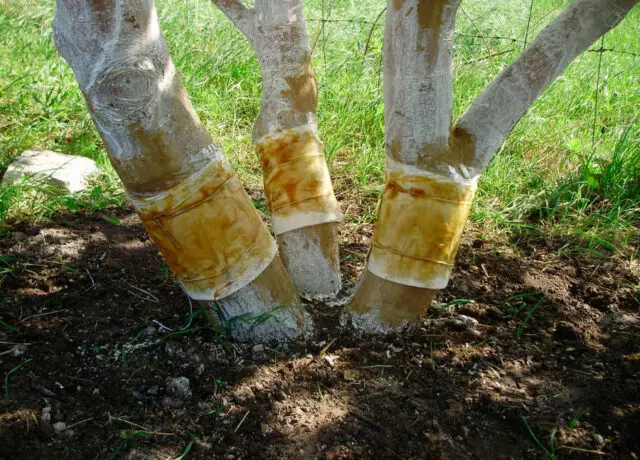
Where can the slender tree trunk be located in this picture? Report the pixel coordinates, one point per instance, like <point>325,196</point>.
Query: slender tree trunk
<point>424,204</point>
<point>181,185</point>
<point>297,185</point>
<point>432,166</point>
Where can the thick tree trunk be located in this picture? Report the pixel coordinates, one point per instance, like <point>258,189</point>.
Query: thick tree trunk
<point>303,207</point>
<point>432,168</point>
<point>181,185</point>
<point>424,204</point>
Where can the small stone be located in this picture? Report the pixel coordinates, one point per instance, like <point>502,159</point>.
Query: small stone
<point>244,394</point>
<point>172,403</point>
<point>258,348</point>
<point>178,387</point>
<point>46,415</point>
<point>331,359</point>
<point>350,374</point>
<point>598,439</point>
<point>66,173</point>
<point>17,350</point>
<point>464,321</point>
<point>59,426</point>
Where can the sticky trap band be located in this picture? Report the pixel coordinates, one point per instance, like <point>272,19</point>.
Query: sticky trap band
<point>419,225</point>
<point>209,232</point>
<point>296,180</point>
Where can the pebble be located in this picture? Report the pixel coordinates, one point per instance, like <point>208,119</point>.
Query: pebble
<point>178,387</point>
<point>465,321</point>
<point>46,415</point>
<point>17,350</point>
<point>599,440</point>
<point>59,426</point>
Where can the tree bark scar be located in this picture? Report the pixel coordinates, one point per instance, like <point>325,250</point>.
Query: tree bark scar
<point>303,89</point>
<point>536,70</point>
<point>154,137</point>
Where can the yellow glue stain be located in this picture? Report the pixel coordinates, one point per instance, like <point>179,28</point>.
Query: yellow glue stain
<point>208,231</point>
<point>296,177</point>
<point>418,230</point>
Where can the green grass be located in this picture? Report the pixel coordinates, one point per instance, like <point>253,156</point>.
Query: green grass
<point>6,377</point>
<point>555,176</point>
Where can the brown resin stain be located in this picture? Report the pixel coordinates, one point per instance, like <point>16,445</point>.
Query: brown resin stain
<point>430,14</point>
<point>398,4</point>
<point>209,233</point>
<point>102,5</point>
<point>296,177</point>
<point>303,89</point>
<point>393,303</point>
<point>458,151</point>
<point>154,167</point>
<point>419,225</point>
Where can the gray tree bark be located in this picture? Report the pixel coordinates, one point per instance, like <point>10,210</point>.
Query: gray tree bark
<point>433,165</point>
<point>181,185</point>
<point>297,183</point>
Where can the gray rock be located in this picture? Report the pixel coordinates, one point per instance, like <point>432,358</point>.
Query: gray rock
<point>67,173</point>
<point>464,321</point>
<point>178,387</point>
<point>46,415</point>
<point>59,426</point>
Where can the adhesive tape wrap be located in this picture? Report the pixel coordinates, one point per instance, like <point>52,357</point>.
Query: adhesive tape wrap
<point>418,230</point>
<point>296,180</point>
<point>209,232</point>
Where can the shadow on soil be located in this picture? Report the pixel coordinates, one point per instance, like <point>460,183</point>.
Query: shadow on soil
<point>542,337</point>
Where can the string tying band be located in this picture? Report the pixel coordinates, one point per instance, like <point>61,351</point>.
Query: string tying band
<point>419,225</point>
<point>296,180</point>
<point>209,232</point>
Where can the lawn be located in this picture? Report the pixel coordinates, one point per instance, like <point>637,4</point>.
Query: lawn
<point>569,168</point>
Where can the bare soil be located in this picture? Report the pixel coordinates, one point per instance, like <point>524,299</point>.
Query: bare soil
<point>99,379</point>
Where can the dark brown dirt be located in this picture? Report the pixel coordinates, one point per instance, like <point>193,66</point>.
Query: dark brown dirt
<point>81,293</point>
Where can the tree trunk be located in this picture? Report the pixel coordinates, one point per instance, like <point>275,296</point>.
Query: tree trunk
<point>432,166</point>
<point>183,188</point>
<point>424,204</point>
<point>297,184</point>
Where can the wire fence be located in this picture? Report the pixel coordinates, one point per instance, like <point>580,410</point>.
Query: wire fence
<point>519,44</point>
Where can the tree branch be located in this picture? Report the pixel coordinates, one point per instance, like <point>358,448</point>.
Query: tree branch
<point>500,106</point>
<point>239,15</point>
